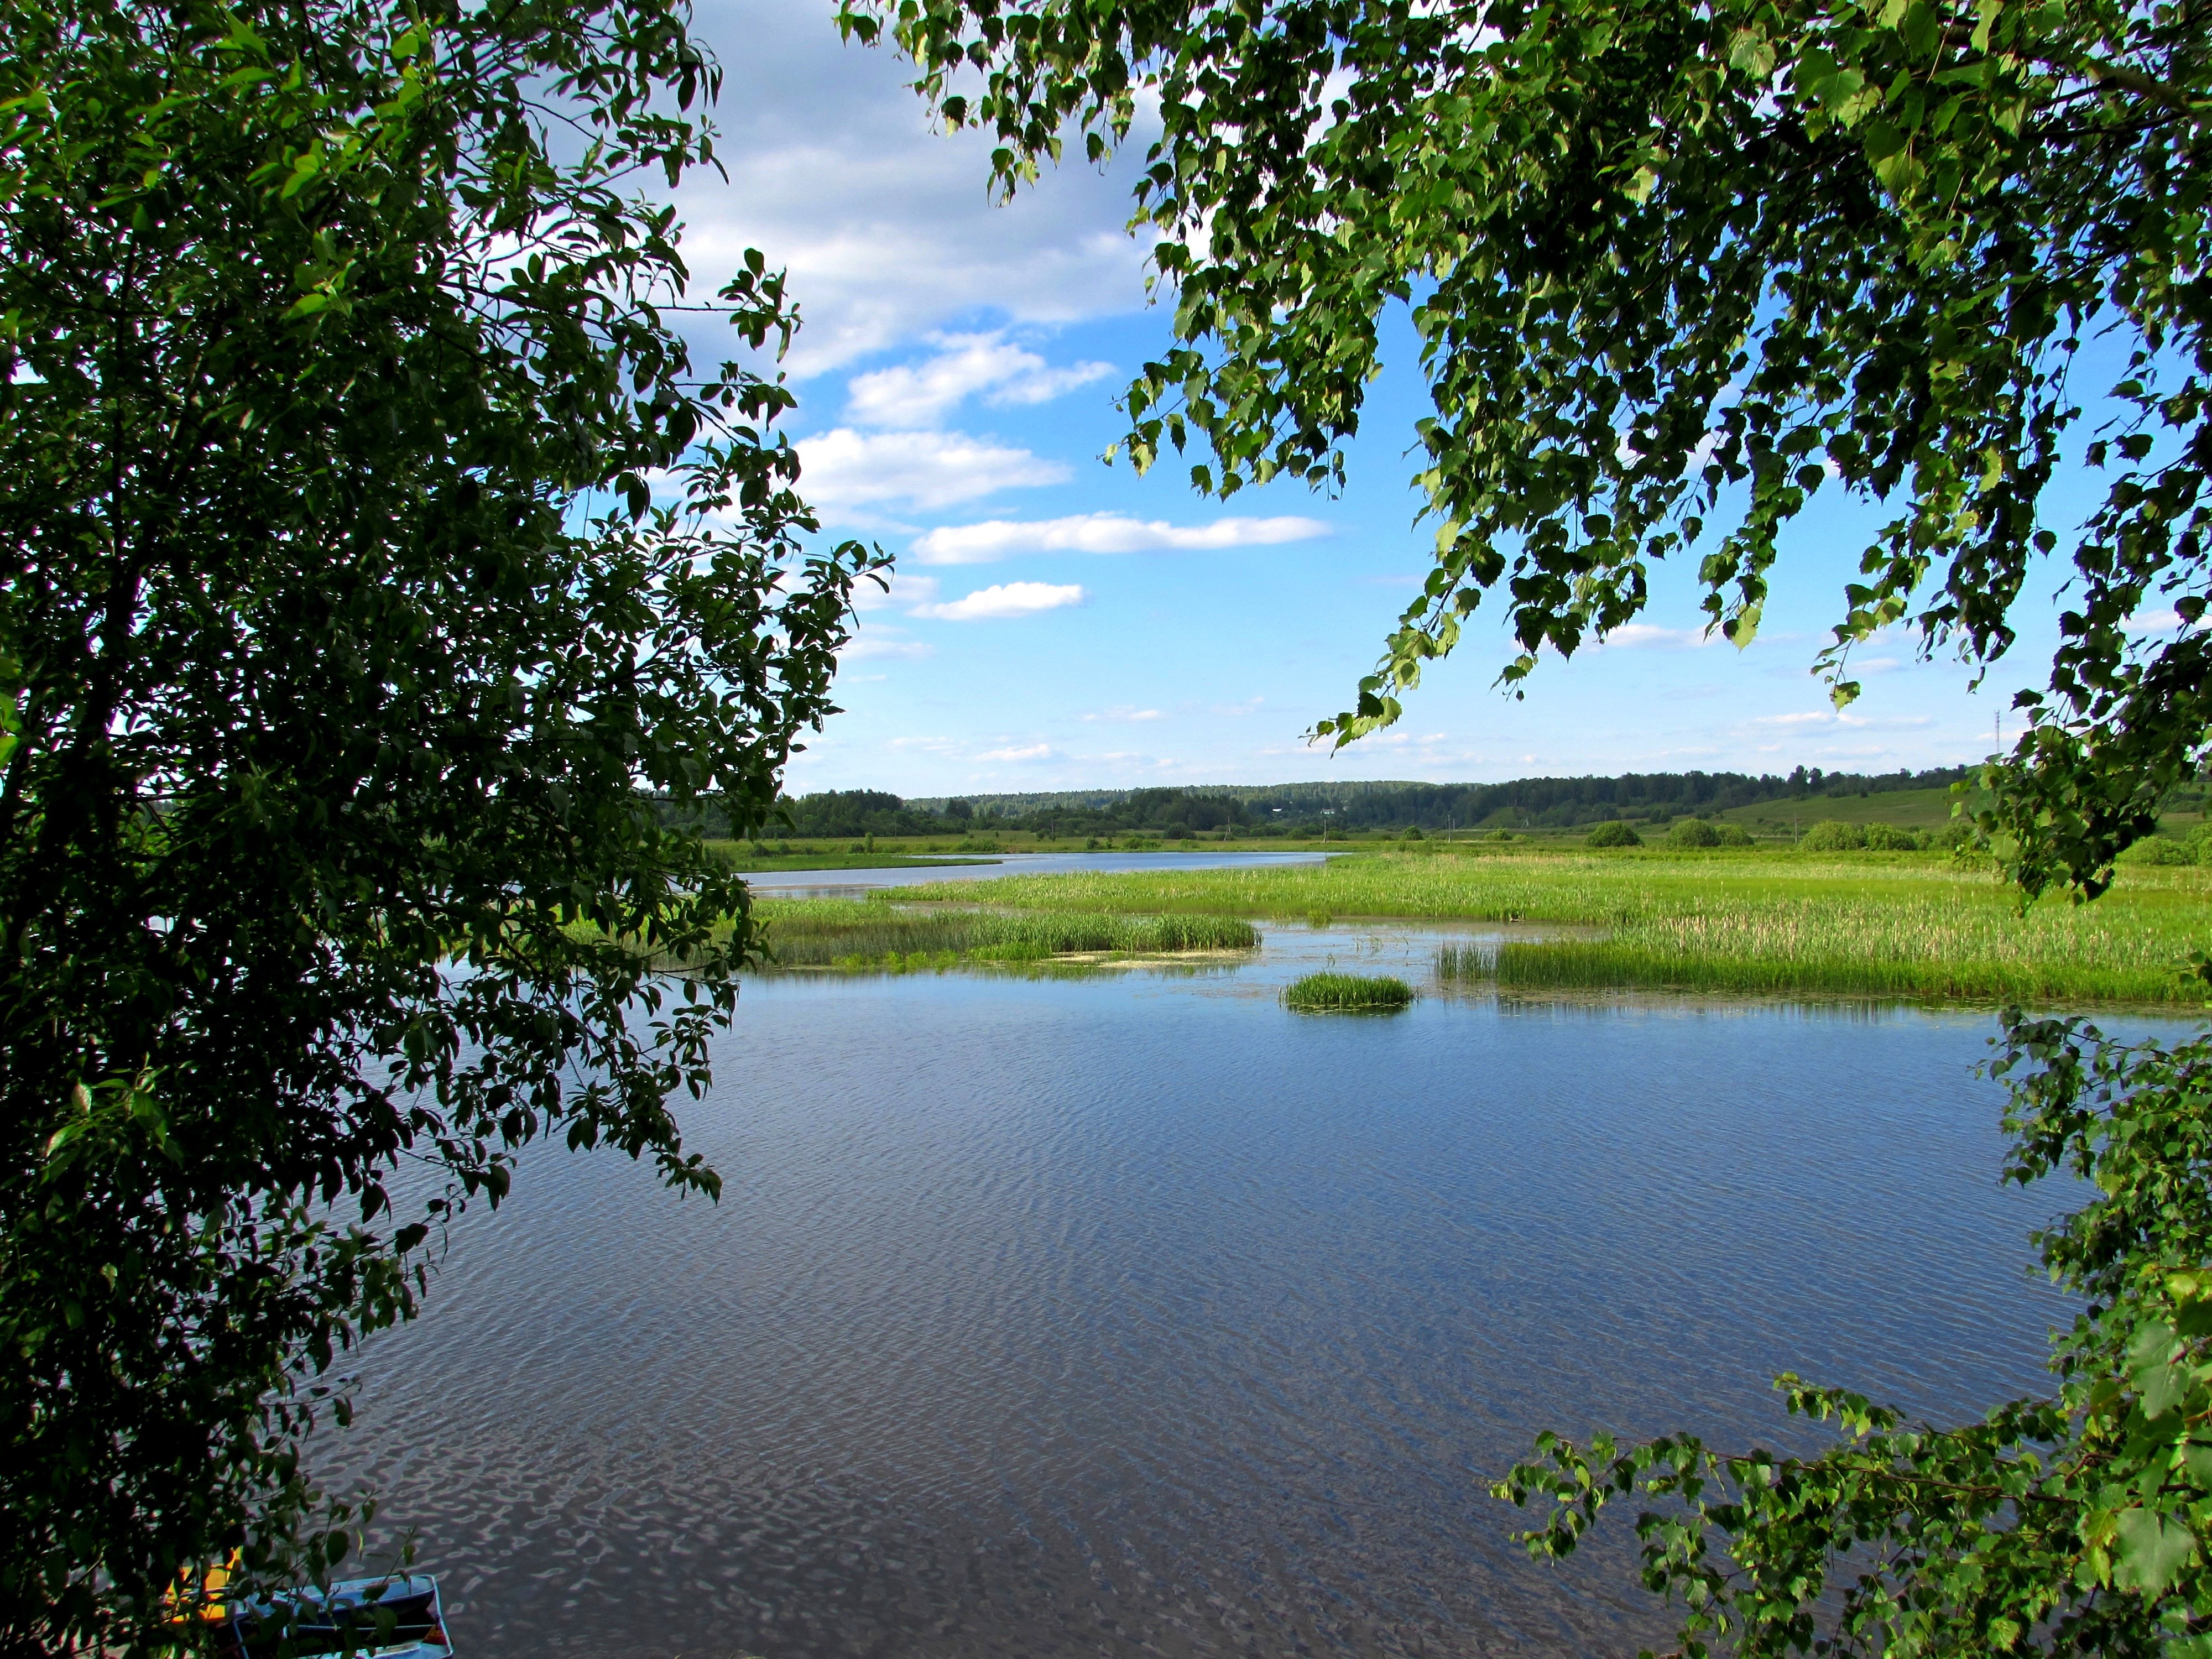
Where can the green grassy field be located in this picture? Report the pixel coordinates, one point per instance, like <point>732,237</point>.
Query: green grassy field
<point>738,856</point>
<point>1905,924</point>
<point>865,934</point>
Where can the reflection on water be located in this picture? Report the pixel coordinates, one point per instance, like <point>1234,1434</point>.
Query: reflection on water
<point>1134,1314</point>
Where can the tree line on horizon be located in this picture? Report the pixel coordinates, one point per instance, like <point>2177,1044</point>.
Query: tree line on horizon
<point>1311,808</point>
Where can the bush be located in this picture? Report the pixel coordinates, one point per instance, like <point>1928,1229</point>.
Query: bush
<point>1501,835</point>
<point>1693,832</point>
<point>1615,834</point>
<point>2199,842</point>
<point>2157,849</point>
<point>1734,835</point>
<point>1829,835</point>
<point>1885,838</point>
<point>1415,833</point>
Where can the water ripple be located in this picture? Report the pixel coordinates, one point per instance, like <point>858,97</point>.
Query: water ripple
<point>1139,1316</point>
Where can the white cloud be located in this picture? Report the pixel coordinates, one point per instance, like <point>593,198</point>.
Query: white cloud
<point>903,590</point>
<point>1126,712</point>
<point>1631,637</point>
<point>928,470</point>
<point>1831,717</point>
<point>886,229</point>
<point>922,394</point>
<point>875,645</point>
<point>1006,599</point>
<point>2153,621</point>
<point>1036,752</point>
<point>1103,532</point>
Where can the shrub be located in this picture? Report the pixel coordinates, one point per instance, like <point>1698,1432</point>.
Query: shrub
<point>2157,849</point>
<point>1413,833</point>
<point>1501,835</point>
<point>1615,834</point>
<point>2199,843</point>
<point>1886,838</point>
<point>1830,836</point>
<point>1347,993</point>
<point>1693,832</point>
<point>1734,835</point>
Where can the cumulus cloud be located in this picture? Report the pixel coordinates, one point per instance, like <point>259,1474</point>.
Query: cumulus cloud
<point>1004,599</point>
<point>842,469</point>
<point>886,229</point>
<point>922,394</point>
<point>903,590</point>
<point>1103,532</point>
<point>1036,752</point>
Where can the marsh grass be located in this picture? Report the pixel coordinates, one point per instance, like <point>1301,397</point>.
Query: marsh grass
<point>1909,925</point>
<point>853,934</point>
<point>1347,993</point>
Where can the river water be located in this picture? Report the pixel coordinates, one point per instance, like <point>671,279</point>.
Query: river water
<point>787,883</point>
<point>1134,1313</point>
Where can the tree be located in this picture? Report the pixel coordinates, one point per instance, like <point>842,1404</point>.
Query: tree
<point>2071,1525</point>
<point>1676,270</point>
<point>347,659</point>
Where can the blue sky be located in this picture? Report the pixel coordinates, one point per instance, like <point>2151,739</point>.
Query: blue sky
<point>1060,624</point>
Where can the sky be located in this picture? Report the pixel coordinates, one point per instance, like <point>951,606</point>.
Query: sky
<point>1057,623</point>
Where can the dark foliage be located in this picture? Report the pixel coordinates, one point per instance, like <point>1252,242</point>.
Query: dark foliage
<point>343,649</point>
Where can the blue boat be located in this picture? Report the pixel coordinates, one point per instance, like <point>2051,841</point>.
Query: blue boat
<point>395,1617</point>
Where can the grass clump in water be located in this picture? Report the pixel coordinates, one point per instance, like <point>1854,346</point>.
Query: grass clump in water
<point>872,935</point>
<point>1347,993</point>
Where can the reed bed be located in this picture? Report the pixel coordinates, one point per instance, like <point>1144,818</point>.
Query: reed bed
<point>872,934</point>
<point>1347,993</point>
<point>1886,925</point>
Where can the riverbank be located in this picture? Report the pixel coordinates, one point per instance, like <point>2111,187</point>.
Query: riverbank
<point>738,857</point>
<point>1895,925</point>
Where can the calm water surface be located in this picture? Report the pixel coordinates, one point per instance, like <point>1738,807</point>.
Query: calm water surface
<point>1134,1314</point>
<point>829,883</point>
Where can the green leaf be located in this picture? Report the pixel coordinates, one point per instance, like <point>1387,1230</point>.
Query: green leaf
<point>2153,1551</point>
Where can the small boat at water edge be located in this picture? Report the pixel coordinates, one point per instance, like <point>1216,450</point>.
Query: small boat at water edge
<point>398,1616</point>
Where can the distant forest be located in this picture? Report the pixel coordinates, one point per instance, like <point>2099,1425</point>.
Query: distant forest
<point>1311,808</point>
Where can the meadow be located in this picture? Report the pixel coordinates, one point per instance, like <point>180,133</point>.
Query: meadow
<point>870,934</point>
<point>1897,925</point>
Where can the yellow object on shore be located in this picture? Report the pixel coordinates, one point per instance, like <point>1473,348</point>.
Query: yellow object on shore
<point>203,1601</point>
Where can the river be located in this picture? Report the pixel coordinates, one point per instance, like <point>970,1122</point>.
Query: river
<point>1134,1313</point>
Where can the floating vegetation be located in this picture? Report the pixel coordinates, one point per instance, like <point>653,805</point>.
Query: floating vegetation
<point>856,934</point>
<point>1347,993</point>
